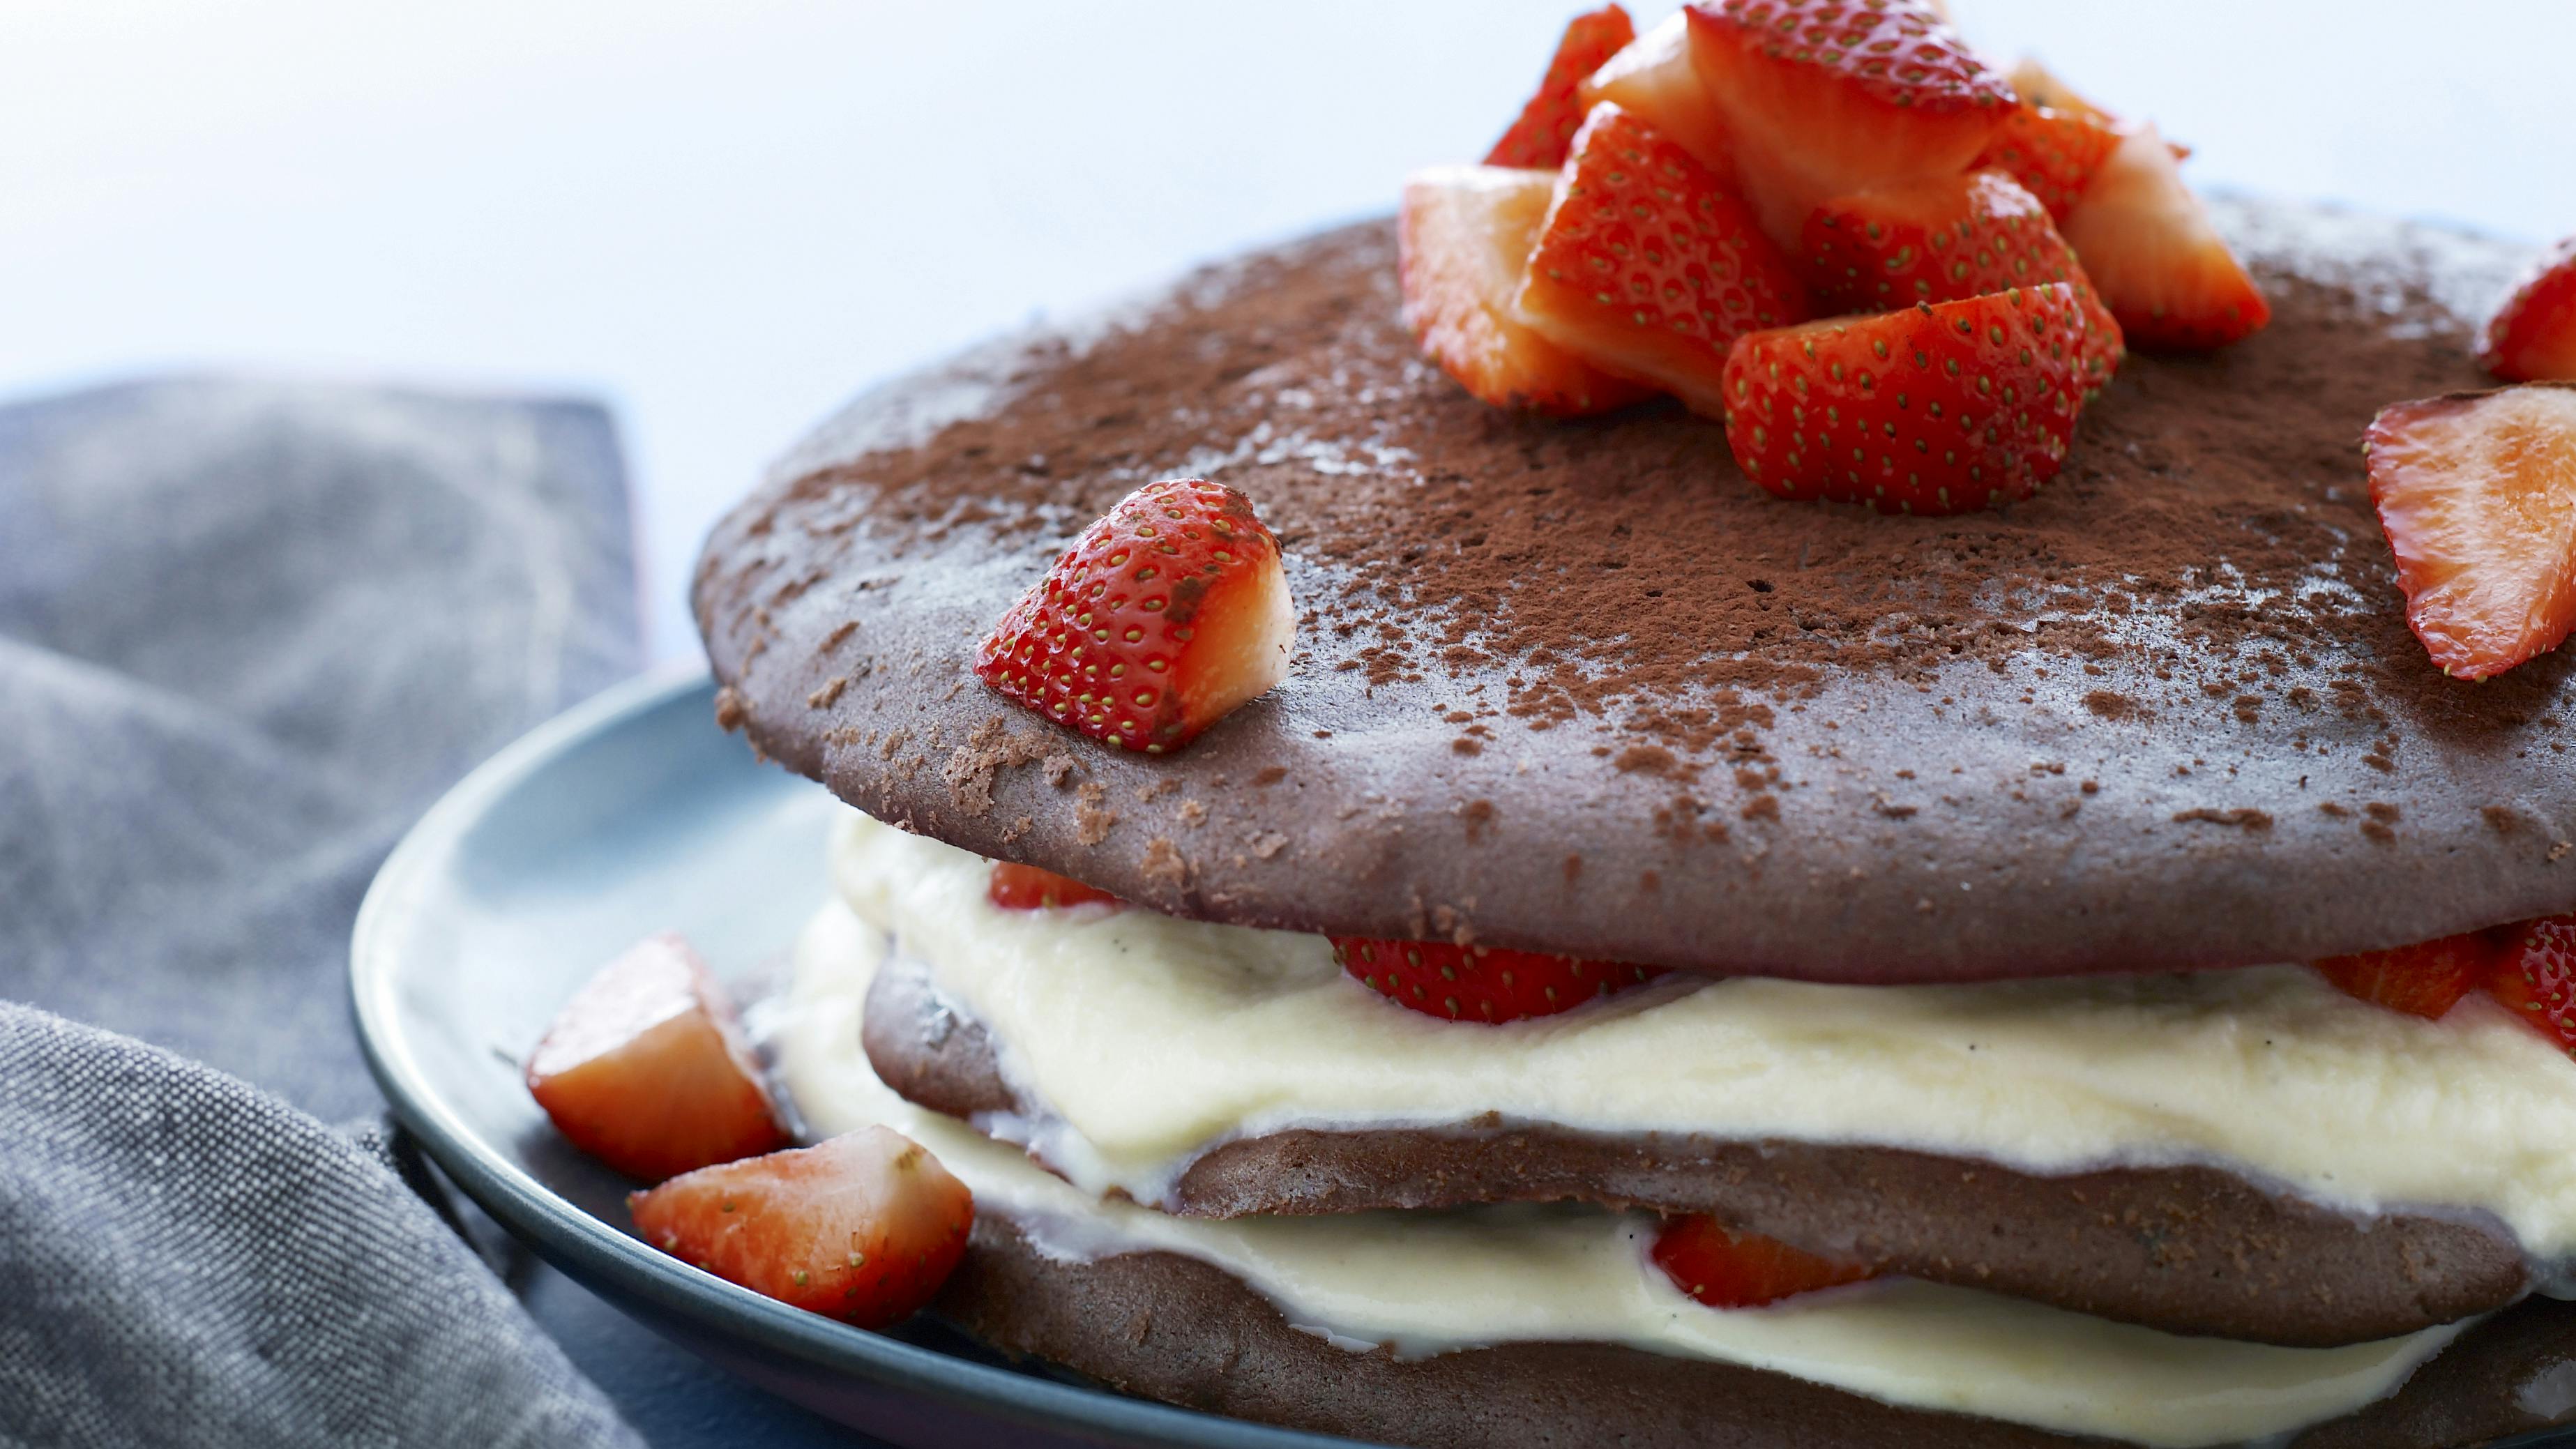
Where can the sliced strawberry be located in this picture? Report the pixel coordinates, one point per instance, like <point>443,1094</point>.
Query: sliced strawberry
<point>1481,983</point>
<point>1462,245</point>
<point>2056,154</point>
<point>863,1228</point>
<point>1017,887</point>
<point>1726,1269</point>
<point>2477,493</point>
<point>1828,97</point>
<point>1655,81</point>
<point>2149,246</point>
<point>2037,87</point>
<point>1944,239</point>
<point>2534,975</point>
<point>1648,267</point>
<point>1938,408</point>
<point>1162,618</point>
<point>2532,337</point>
<point>1547,124</point>
<point>2424,980</point>
<point>646,1069</point>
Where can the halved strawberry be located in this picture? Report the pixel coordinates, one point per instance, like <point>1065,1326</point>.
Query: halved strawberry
<point>1162,618</point>
<point>1462,245</point>
<point>1481,983</point>
<point>1944,239</point>
<point>2426,979</point>
<point>1655,81</point>
<point>2037,87</point>
<point>2534,975</point>
<point>2056,154</point>
<point>2477,493</point>
<point>1726,1269</point>
<point>1648,267</point>
<point>1547,123</point>
<point>863,1228</point>
<point>1938,408</point>
<point>1827,97</point>
<point>1016,887</point>
<point>646,1069</point>
<point>2532,336</point>
<point>2151,251</point>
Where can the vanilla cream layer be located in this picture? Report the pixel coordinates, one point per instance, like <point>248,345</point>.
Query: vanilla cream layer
<point>1426,1282</point>
<point>1149,1039</point>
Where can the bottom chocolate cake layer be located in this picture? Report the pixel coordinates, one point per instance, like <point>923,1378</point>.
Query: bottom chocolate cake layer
<point>2186,1249</point>
<point>1175,1329</point>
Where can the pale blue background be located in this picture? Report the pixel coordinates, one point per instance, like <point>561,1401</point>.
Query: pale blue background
<point>724,217</point>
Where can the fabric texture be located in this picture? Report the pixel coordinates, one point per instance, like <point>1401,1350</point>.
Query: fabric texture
<point>248,631</point>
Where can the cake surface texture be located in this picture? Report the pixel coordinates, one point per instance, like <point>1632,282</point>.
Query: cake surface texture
<point>1578,686</point>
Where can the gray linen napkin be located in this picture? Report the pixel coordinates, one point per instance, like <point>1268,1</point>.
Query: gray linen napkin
<point>247,632</point>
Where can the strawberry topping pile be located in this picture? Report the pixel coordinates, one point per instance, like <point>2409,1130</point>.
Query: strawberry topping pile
<point>1481,983</point>
<point>1157,622</point>
<point>1752,164</point>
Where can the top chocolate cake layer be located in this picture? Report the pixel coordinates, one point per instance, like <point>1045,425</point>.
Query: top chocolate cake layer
<point>1580,686</point>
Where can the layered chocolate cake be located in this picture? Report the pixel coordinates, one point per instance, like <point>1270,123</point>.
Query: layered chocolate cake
<point>1936,896</point>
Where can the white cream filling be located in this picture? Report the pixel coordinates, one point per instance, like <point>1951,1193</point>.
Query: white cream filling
<point>1150,1039</point>
<point>1425,1282</point>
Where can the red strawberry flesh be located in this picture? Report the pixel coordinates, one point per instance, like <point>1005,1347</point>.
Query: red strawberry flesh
<point>1546,125</point>
<point>1649,267</point>
<point>1463,242</point>
<point>2426,979</point>
<point>2532,336</point>
<point>2054,154</point>
<point>1655,81</point>
<point>1162,618</point>
<point>1938,408</point>
<point>2477,494</point>
<point>863,1228</point>
<point>1726,1269</point>
<point>1016,887</point>
<point>1828,97</point>
<point>646,1070</point>
<point>2534,976</point>
<point>1943,240</point>
<point>1481,983</point>
<point>2151,251</point>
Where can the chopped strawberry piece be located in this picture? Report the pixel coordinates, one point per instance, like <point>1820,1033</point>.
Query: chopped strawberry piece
<point>1163,617</point>
<point>1547,124</point>
<point>646,1069</point>
<point>1828,97</point>
<point>2426,979</point>
<point>2477,493</point>
<point>1648,267</point>
<point>2056,154</point>
<point>863,1228</point>
<point>1481,983</point>
<point>2151,251</point>
<point>1938,408</point>
<point>2532,337</point>
<point>2534,975</point>
<point>1017,887</point>
<point>1462,245</point>
<point>1655,81</point>
<point>1725,1269</point>
<point>1945,239</point>
<point>2037,87</point>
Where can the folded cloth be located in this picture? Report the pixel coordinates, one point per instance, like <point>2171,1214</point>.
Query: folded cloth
<point>247,632</point>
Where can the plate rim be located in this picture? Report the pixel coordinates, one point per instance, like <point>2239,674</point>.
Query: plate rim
<point>594,1251</point>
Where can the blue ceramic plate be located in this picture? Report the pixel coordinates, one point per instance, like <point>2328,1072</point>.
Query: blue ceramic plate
<point>634,814</point>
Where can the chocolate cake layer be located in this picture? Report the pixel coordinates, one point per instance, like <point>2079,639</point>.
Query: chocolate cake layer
<point>1580,686</point>
<point>2186,1249</point>
<point>1176,1329</point>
